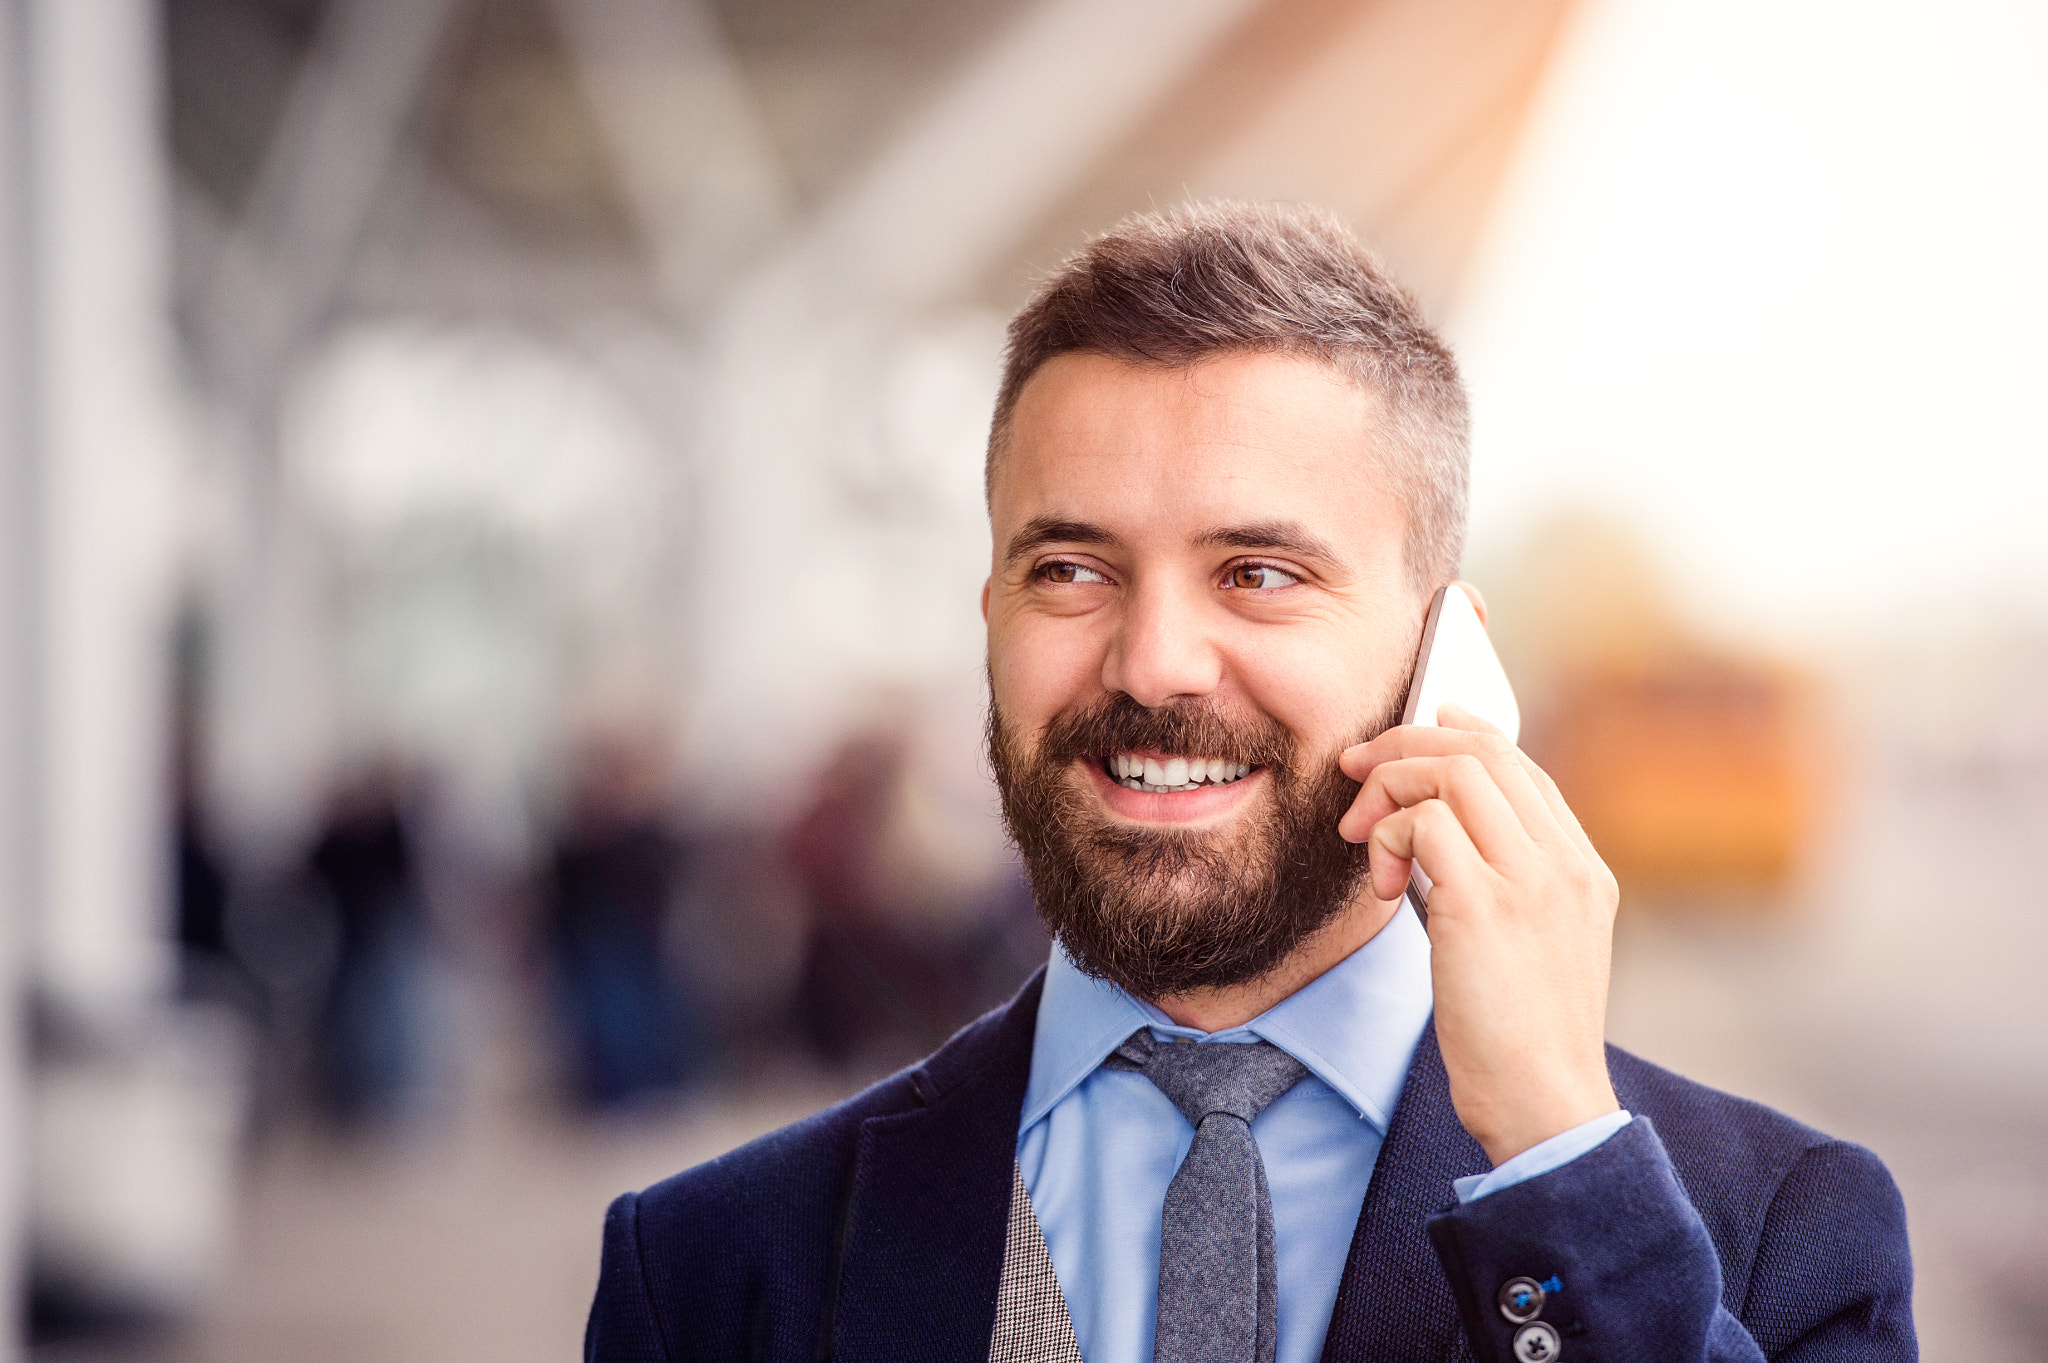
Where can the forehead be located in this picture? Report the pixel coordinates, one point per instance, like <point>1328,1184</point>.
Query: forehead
<point>1246,437</point>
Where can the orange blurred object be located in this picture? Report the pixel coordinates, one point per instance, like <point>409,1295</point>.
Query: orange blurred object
<point>1694,773</point>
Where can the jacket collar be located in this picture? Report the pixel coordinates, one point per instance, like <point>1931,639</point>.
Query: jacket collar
<point>930,1200</point>
<point>1394,1301</point>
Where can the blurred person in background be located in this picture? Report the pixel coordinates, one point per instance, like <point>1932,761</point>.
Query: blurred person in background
<point>371,1034</point>
<point>630,1029</point>
<point>1254,1110</point>
<point>879,965</point>
<point>210,969</point>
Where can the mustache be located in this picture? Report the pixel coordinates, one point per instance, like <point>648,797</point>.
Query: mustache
<point>1117,723</point>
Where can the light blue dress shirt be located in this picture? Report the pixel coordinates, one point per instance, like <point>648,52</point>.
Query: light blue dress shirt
<point>1098,1147</point>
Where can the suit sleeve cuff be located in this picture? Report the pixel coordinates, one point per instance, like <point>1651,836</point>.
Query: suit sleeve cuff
<point>1626,1266</point>
<point>1541,1157</point>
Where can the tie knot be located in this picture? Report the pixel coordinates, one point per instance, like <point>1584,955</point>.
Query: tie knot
<point>1238,1078</point>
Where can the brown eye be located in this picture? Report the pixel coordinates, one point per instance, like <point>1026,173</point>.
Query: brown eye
<point>1068,574</point>
<point>1253,577</point>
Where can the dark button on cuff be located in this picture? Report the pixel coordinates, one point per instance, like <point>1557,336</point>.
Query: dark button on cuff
<point>1536,1343</point>
<point>1521,1299</point>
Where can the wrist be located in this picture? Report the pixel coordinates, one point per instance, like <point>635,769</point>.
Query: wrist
<point>1537,1121</point>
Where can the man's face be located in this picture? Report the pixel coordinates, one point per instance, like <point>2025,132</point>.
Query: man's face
<point>1199,598</point>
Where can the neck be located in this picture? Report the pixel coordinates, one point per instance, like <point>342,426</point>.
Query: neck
<point>1218,1010</point>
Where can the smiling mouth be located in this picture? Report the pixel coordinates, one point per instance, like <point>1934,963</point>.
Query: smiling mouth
<point>1172,775</point>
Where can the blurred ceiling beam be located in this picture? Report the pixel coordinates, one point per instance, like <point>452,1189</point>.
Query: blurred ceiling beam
<point>1399,114</point>
<point>278,277</point>
<point>1004,140</point>
<point>698,166</point>
<point>282,265</point>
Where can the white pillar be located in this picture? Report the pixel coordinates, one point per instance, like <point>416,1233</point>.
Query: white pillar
<point>18,652</point>
<point>103,346</point>
<point>132,1133</point>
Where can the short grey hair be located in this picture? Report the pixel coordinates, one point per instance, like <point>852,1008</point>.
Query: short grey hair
<point>1207,279</point>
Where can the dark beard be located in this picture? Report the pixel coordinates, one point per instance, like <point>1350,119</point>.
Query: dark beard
<point>1164,911</point>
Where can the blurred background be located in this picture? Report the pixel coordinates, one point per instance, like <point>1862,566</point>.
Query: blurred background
<point>489,667</point>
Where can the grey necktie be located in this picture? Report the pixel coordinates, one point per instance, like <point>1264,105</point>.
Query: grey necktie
<point>1218,1289</point>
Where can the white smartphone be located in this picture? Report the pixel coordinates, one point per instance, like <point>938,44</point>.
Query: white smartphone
<point>1456,663</point>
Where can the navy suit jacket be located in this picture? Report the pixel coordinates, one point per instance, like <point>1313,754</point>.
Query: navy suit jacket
<point>1707,1228</point>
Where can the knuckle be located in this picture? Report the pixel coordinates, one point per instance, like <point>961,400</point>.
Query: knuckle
<point>1496,746</point>
<point>1589,880</point>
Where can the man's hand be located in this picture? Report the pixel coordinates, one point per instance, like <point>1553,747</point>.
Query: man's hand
<point>1521,922</point>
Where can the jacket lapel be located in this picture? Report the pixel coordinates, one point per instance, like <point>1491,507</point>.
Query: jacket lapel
<point>930,1201</point>
<point>1394,1301</point>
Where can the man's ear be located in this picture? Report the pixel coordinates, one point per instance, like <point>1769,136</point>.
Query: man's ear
<point>1478,601</point>
<point>987,581</point>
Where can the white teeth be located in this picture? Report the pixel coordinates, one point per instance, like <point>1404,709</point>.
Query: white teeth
<point>1175,773</point>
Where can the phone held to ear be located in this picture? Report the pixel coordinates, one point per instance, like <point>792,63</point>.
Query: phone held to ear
<point>1456,664</point>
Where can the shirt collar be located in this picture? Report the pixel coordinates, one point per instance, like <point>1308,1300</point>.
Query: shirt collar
<point>1355,1027</point>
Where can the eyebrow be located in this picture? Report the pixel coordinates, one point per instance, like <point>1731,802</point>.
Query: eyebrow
<point>1043,530</point>
<point>1287,537</point>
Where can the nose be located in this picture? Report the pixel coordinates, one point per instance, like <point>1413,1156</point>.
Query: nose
<point>1162,649</point>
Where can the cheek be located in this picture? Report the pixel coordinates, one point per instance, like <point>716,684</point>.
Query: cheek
<point>1039,666</point>
<point>1324,686</point>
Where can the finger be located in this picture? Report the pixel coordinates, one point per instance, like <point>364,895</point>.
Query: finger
<point>1451,715</point>
<point>1509,766</point>
<point>1462,782</point>
<point>1567,821</point>
<point>1428,835</point>
<point>1412,740</point>
<point>1386,874</point>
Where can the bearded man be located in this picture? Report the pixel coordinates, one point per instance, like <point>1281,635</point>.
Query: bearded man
<point>1253,1110</point>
